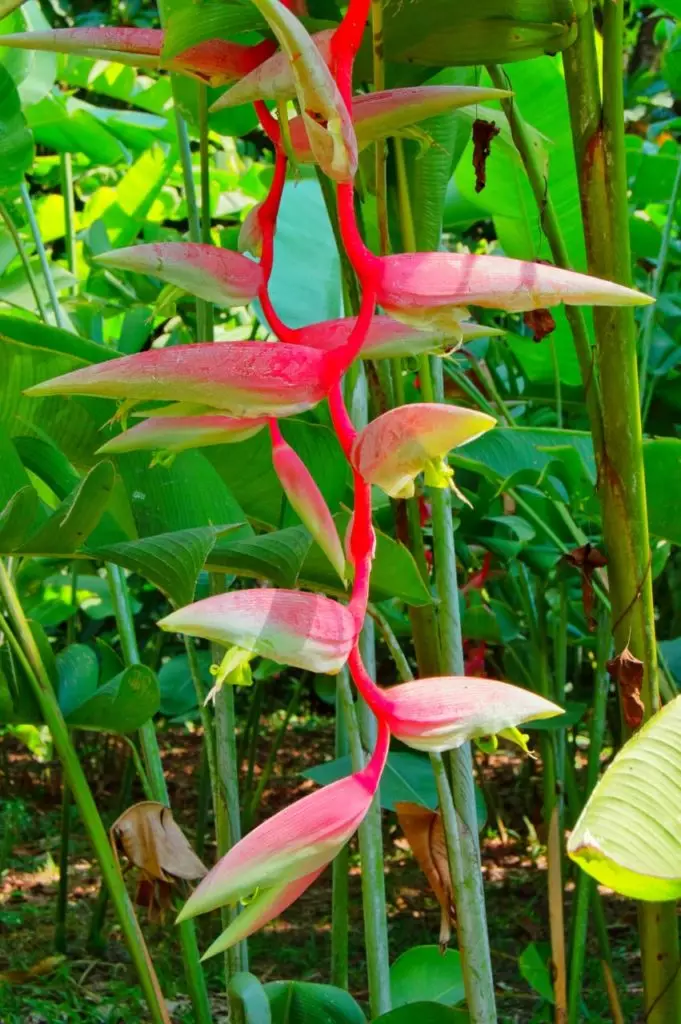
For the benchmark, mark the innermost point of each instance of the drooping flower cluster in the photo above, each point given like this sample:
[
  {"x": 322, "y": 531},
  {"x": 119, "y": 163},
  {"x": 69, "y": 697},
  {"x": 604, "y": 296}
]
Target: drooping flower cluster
[{"x": 221, "y": 393}]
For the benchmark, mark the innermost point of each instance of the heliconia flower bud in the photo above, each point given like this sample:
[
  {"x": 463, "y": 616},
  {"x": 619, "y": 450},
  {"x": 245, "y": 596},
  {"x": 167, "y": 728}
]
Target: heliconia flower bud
[
  {"x": 214, "y": 61},
  {"x": 377, "y": 115},
  {"x": 389, "y": 339},
  {"x": 243, "y": 378},
  {"x": 411, "y": 439},
  {"x": 178, "y": 433},
  {"x": 290, "y": 627},
  {"x": 218, "y": 275},
  {"x": 282, "y": 857},
  {"x": 274, "y": 78},
  {"x": 325, "y": 115},
  {"x": 445, "y": 712},
  {"x": 307, "y": 500},
  {"x": 250, "y": 233},
  {"x": 433, "y": 289}
]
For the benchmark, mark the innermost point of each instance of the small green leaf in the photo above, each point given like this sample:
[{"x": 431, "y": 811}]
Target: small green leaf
[
  {"x": 535, "y": 970},
  {"x": 17, "y": 517},
  {"x": 424, "y": 973},
  {"x": 66, "y": 530},
  {"x": 302, "y": 1002},
  {"x": 122, "y": 705},
  {"x": 424, "y": 1013},
  {"x": 78, "y": 670},
  {"x": 171, "y": 561},
  {"x": 275, "y": 556},
  {"x": 178, "y": 695},
  {"x": 246, "y": 991},
  {"x": 627, "y": 837}
]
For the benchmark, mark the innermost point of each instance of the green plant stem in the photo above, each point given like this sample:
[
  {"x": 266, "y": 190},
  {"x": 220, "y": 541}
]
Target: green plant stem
[
  {"x": 25, "y": 261},
  {"x": 27, "y": 652},
  {"x": 209, "y": 747},
  {"x": 42, "y": 256},
  {"x": 551, "y": 227},
  {"x": 202, "y": 804},
  {"x": 371, "y": 852},
  {"x": 397, "y": 654},
  {"x": 340, "y": 923},
  {"x": 598, "y": 137},
  {"x": 463, "y": 844},
  {"x": 585, "y": 883},
  {"x": 66, "y": 168},
  {"x": 648, "y": 325},
  {"x": 228, "y": 821},
  {"x": 203, "y": 316},
  {"x": 95, "y": 942},
  {"x": 379, "y": 145},
  {"x": 153, "y": 765},
  {"x": 63, "y": 889}
]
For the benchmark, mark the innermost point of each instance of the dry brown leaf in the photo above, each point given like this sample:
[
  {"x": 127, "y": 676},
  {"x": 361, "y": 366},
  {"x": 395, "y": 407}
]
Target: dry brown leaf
[
  {"x": 540, "y": 322},
  {"x": 423, "y": 831},
  {"x": 153, "y": 843},
  {"x": 627, "y": 671},
  {"x": 483, "y": 133},
  {"x": 38, "y": 970},
  {"x": 587, "y": 559}
]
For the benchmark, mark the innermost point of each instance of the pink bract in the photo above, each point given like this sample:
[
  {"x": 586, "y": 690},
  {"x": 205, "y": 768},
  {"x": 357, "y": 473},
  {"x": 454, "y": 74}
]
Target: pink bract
[
  {"x": 178, "y": 433},
  {"x": 435, "y": 288},
  {"x": 243, "y": 378},
  {"x": 291, "y": 627},
  {"x": 218, "y": 275}
]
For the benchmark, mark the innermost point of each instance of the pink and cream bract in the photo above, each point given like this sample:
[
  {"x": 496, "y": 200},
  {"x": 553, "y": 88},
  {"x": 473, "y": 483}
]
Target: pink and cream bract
[
  {"x": 282, "y": 857},
  {"x": 291, "y": 627},
  {"x": 394, "y": 448}
]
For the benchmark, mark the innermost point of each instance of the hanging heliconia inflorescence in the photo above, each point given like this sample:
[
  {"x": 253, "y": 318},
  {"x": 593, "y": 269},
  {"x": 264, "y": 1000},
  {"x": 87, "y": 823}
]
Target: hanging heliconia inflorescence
[{"x": 222, "y": 393}]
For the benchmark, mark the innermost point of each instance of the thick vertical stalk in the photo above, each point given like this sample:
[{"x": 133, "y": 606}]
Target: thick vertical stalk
[
  {"x": 151, "y": 755},
  {"x": 29, "y": 656},
  {"x": 66, "y": 168},
  {"x": 598, "y": 133},
  {"x": 340, "y": 924}
]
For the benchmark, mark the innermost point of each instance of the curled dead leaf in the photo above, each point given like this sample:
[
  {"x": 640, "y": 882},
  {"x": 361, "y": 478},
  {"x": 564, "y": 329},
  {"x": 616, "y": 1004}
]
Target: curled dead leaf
[
  {"x": 151, "y": 840},
  {"x": 540, "y": 322},
  {"x": 483, "y": 133},
  {"x": 587, "y": 560},
  {"x": 626, "y": 670},
  {"x": 424, "y": 833}
]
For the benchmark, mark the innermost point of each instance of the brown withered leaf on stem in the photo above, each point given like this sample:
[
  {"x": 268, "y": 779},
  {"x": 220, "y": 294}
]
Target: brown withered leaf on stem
[
  {"x": 587, "y": 559},
  {"x": 540, "y": 322},
  {"x": 627, "y": 672},
  {"x": 153, "y": 843},
  {"x": 483, "y": 133},
  {"x": 423, "y": 831}
]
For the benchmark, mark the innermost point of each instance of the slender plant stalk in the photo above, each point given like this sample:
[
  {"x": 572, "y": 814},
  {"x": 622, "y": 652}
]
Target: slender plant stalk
[
  {"x": 42, "y": 256},
  {"x": 371, "y": 851},
  {"x": 151, "y": 756},
  {"x": 598, "y": 135},
  {"x": 585, "y": 883},
  {"x": 63, "y": 889},
  {"x": 552, "y": 816},
  {"x": 25, "y": 261},
  {"x": 648, "y": 326},
  {"x": 340, "y": 923},
  {"x": 27, "y": 652},
  {"x": 379, "y": 145},
  {"x": 66, "y": 168},
  {"x": 95, "y": 943},
  {"x": 202, "y": 804}
]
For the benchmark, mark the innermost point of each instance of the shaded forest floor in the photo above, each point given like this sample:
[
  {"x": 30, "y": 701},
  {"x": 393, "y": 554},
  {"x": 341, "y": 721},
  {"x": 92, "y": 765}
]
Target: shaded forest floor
[{"x": 87, "y": 987}]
